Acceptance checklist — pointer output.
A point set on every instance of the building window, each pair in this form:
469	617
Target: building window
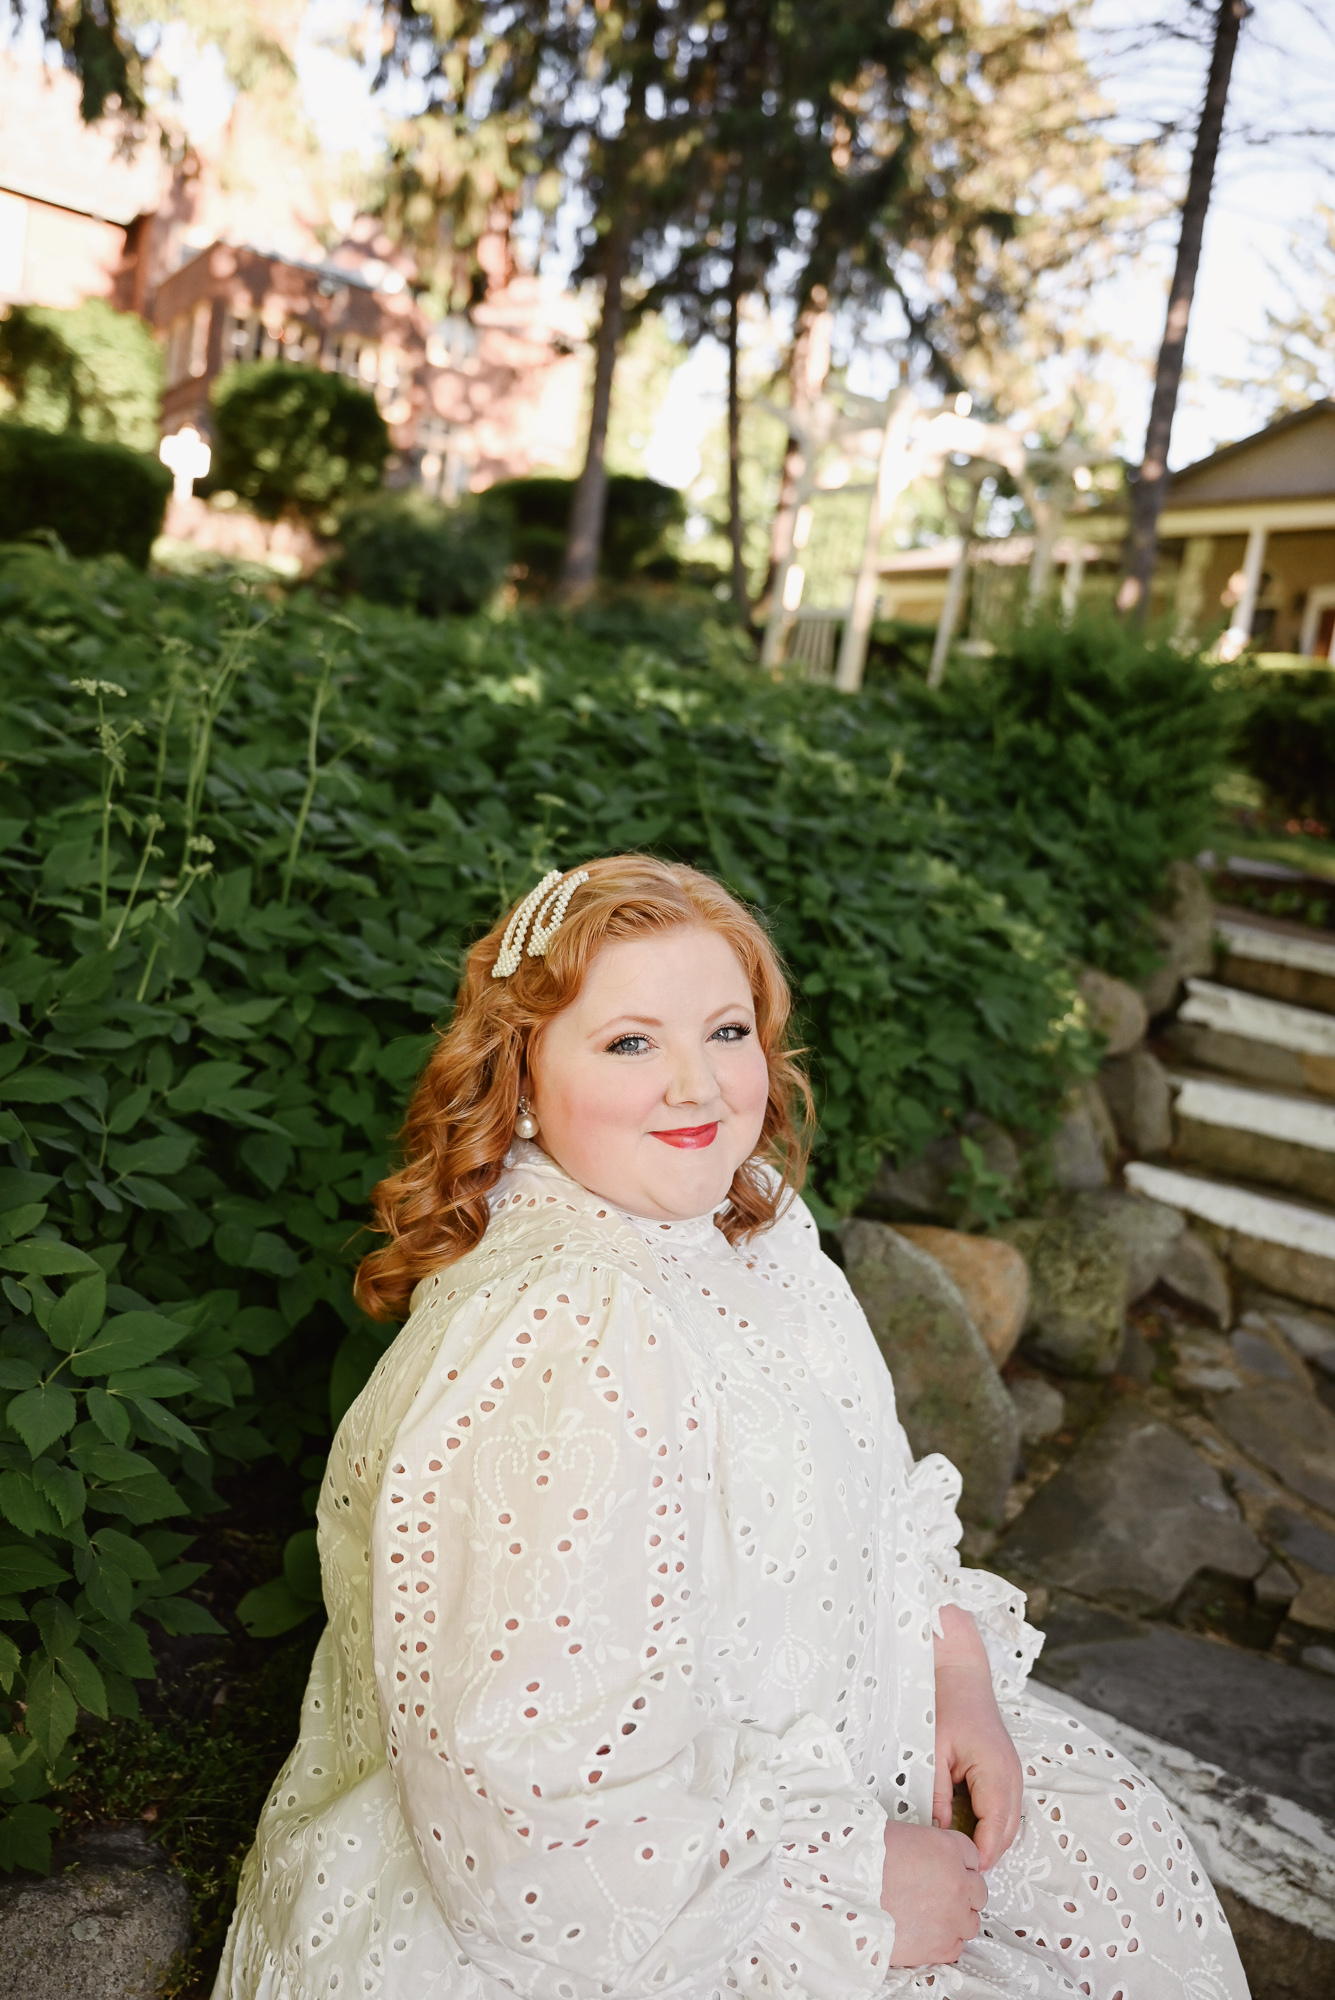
199	338
243	337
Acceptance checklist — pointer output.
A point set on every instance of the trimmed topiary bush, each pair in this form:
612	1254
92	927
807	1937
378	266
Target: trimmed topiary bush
99	499
640	517
292	440
406	550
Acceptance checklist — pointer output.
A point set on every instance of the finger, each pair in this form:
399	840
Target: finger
965	1852
943	1794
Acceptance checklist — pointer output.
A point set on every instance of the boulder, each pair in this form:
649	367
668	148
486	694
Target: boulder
1193	1274
950	1396
104	1925
1078	1279
1183	926
1084	1146
1130	1518
1149	1231
1115	1010
1135	1089
929	1188
992	1277
1275	1588
1040	1408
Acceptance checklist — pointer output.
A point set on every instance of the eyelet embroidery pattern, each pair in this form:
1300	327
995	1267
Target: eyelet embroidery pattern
631	1585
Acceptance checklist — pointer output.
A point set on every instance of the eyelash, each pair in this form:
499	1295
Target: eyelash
736	1031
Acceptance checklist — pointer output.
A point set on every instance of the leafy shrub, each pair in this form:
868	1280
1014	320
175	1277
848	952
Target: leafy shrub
640	516
406	550
89	369
1288	740
295	440
1099	753
235	898
99	499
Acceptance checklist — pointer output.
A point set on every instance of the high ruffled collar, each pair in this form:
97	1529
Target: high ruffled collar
527	1159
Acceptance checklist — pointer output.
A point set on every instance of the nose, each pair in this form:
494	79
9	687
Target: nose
692	1078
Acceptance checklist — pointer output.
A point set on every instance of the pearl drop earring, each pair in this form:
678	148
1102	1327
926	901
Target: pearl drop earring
526	1125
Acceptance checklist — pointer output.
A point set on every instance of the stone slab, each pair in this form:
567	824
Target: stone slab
1130	1519
1271	1114
1302	1539
1264	1217
1269	1724
1200	1047
104	1925
1136	1091
1284	1428
1227	1009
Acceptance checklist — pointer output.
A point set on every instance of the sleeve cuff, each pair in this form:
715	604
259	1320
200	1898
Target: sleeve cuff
824	1935
997	1606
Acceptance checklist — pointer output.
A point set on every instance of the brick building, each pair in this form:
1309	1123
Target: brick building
231	254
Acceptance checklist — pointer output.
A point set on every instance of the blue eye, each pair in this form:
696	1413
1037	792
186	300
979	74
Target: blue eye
628	1045
731	1031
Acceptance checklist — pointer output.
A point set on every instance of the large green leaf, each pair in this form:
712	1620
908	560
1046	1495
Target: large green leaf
129	1341
39	1086
42	1415
45	1259
24	1567
51	1710
76	1317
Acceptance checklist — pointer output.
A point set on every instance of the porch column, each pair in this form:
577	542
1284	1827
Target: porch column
1240	630
1190	597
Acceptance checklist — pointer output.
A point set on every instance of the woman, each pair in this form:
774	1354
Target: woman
649	1666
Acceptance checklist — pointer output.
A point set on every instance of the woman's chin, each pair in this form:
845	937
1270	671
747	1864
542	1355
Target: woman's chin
688	1183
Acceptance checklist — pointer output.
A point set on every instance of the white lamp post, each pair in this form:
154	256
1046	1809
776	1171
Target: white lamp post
187	458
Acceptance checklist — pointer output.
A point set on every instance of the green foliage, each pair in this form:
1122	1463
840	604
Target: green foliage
1288	739
1103	753
244	847
295	440
99	499
641	515
406	550
89	369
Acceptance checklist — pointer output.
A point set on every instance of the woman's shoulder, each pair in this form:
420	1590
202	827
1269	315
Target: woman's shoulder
543	1230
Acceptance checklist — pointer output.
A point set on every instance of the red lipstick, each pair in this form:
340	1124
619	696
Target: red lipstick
689	1136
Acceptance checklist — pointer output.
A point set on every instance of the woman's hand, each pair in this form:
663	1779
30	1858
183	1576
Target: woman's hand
972	1742
933	1888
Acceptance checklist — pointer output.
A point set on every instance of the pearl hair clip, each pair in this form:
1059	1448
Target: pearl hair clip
544	908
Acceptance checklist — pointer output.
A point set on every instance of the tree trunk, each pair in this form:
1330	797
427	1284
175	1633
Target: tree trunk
579	571
1150	489
807	369
741	595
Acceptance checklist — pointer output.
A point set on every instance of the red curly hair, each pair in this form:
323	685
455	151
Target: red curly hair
461	1119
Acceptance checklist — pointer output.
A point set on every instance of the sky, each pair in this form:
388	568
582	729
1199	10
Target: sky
1270	184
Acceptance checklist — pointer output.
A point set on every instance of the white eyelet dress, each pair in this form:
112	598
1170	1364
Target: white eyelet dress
631	1579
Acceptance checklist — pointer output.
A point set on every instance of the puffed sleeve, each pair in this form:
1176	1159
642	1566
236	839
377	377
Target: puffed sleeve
997	1606
591	1820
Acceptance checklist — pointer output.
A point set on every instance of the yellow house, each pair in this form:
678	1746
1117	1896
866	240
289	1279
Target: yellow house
1246	542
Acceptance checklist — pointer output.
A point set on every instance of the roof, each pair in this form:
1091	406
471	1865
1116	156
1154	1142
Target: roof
1291	459
48	154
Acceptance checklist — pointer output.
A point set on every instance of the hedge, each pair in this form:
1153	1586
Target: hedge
97	498
245	843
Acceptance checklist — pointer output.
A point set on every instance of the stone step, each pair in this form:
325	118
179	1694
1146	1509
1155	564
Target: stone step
1271	1041
1243	1747
1284	1245
1282	961
1187	1044
1285	1140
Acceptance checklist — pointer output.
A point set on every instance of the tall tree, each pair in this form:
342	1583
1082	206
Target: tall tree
1151	486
